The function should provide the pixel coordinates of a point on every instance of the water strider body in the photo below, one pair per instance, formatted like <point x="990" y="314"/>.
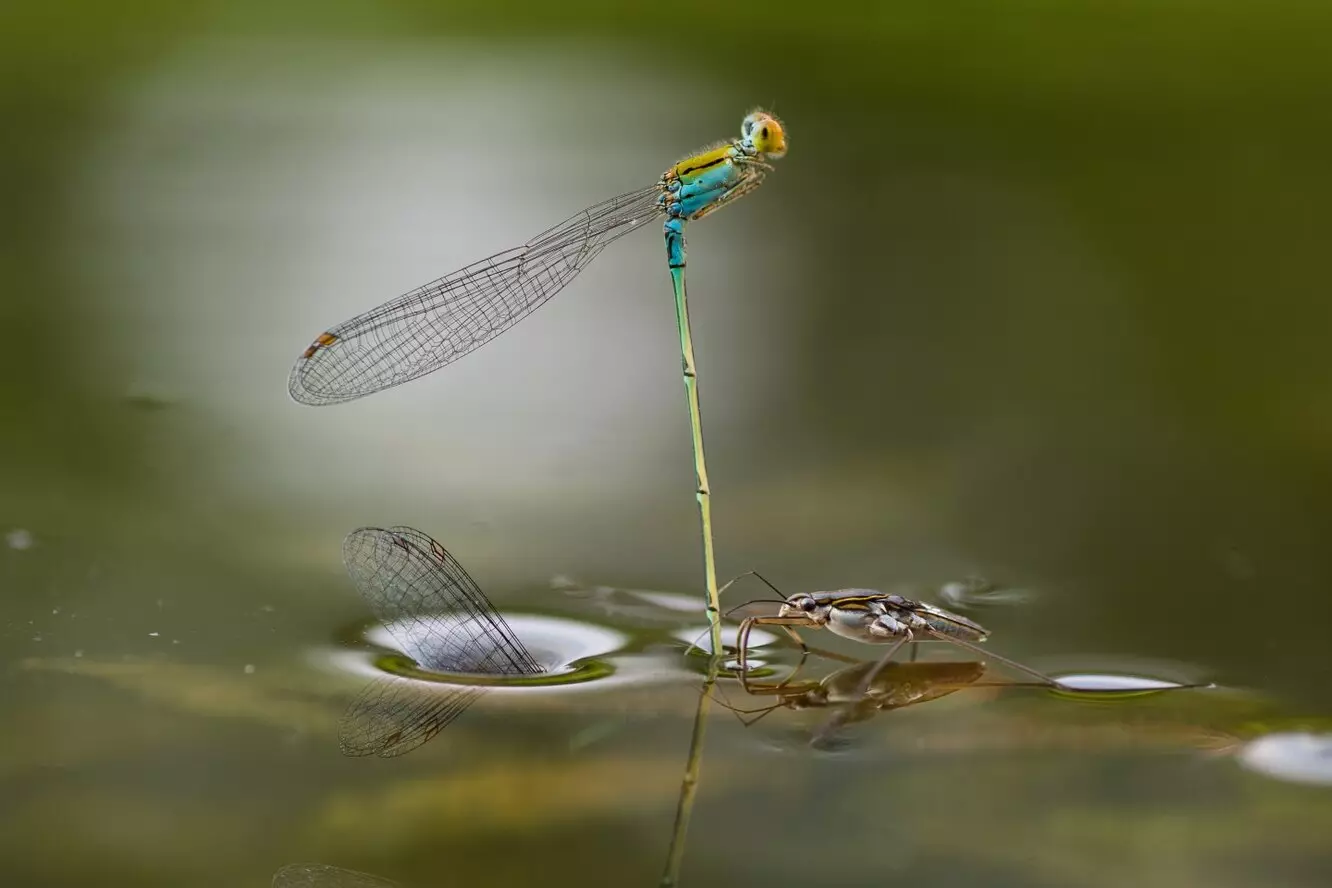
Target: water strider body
<point x="872" y="617"/>
<point x="437" y="323"/>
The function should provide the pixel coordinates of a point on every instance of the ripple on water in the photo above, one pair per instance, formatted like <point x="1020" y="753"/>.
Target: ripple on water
<point x="1102" y="675"/>
<point x="1295" y="756"/>
<point x="1105" y="683"/>
<point x="701" y="637"/>
<point x="980" y="592"/>
<point x="570" y="652"/>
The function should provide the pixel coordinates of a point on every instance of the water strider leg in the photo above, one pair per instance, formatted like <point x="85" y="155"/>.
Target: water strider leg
<point x="993" y="656"/>
<point x="831" y="655"/>
<point x="741" y="713"/>
<point x="831" y="726"/>
<point x="753" y="573"/>
<point x="865" y="683"/>
<point x="742" y="638"/>
<point x="749" y="573"/>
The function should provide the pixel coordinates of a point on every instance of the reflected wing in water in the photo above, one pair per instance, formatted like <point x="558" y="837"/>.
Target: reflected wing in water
<point x="434" y="610"/>
<point x="393" y="716"/>
<point x="440" y="618"/>
<point x="319" y="875"/>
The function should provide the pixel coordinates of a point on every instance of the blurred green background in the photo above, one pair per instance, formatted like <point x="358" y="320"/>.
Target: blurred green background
<point x="1038" y="294"/>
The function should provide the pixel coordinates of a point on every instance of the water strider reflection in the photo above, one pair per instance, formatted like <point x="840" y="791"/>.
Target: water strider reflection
<point x="321" y="875"/>
<point x="895" y="686"/>
<point x="862" y="690"/>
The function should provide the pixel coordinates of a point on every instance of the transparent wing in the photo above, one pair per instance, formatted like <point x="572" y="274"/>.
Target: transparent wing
<point x="430" y="605"/>
<point x="319" y="875"/>
<point x="949" y="623"/>
<point x="393" y="716"/>
<point x="438" y="323"/>
<point x="940" y="620"/>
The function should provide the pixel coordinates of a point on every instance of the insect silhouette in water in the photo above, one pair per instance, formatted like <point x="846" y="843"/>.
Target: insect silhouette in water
<point x="320" y="875"/>
<point x="895" y="686"/>
<point x="440" y="618"/>
<point x="871" y="617"/>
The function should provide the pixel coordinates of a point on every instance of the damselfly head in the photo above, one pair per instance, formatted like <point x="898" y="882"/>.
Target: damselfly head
<point x="802" y="604"/>
<point x="764" y="132"/>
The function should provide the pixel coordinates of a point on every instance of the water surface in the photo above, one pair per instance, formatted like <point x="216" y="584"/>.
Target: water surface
<point x="1036" y="297"/>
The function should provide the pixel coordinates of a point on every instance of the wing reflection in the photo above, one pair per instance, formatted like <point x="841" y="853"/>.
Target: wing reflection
<point x="440" y="617"/>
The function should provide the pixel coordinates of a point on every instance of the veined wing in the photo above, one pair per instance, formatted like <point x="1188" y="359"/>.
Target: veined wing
<point x="435" y="324"/>
<point x="319" y="875"/>
<point x="946" y="622"/>
<point x="431" y="606"/>
<point x="393" y="716"/>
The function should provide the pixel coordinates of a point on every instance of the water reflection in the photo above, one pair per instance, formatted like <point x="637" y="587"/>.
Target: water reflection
<point x="895" y="686"/>
<point x="321" y="875"/>
<point x="441" y="619"/>
<point x="1296" y="756"/>
<point x="981" y="592"/>
<point x="441" y="645"/>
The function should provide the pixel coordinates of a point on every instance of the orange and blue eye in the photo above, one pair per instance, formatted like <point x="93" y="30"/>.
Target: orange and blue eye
<point x="764" y="133"/>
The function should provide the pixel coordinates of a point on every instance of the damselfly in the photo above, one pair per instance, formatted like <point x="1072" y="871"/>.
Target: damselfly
<point x="440" y="618"/>
<point x="320" y="875"/>
<point x="872" y="617"/>
<point x="437" y="323"/>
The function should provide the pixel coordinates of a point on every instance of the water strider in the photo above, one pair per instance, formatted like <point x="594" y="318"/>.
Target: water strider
<point x="441" y="619"/>
<point x="871" y="617"/>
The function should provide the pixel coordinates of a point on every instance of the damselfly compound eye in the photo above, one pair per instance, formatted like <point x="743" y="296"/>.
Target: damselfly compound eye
<point x="765" y="133"/>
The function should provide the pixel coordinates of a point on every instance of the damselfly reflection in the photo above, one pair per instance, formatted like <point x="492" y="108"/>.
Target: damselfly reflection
<point x="440" y="618"/>
<point x="872" y="617"/>
<point x="320" y="875"/>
